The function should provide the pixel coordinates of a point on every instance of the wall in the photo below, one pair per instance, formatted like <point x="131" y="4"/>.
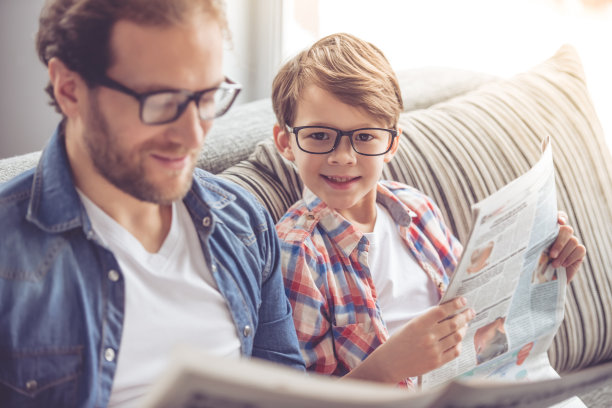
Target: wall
<point x="26" y="119"/>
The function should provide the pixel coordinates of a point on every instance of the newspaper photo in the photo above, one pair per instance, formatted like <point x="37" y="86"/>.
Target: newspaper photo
<point x="505" y="274"/>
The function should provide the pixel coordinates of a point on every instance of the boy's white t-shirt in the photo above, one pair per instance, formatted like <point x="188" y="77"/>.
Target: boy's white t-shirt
<point x="403" y="289"/>
<point x="171" y="299"/>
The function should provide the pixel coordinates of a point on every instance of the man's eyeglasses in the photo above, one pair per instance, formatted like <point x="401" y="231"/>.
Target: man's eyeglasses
<point x="165" y="106"/>
<point x="323" y="139"/>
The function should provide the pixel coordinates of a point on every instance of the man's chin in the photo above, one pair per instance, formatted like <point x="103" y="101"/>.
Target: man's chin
<point x="162" y="193"/>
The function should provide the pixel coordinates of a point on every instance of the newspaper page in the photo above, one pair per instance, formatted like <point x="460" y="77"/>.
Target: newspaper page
<point x="198" y="380"/>
<point x="506" y="277"/>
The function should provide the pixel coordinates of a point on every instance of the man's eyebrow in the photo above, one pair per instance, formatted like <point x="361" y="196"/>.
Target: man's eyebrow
<point x="157" y="87"/>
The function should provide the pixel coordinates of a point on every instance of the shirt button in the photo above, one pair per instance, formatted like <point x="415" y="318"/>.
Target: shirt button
<point x="247" y="330"/>
<point x="206" y="222"/>
<point x="31" y="385"/>
<point x="113" y="275"/>
<point x="109" y="354"/>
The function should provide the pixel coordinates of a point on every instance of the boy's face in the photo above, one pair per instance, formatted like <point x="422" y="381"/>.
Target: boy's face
<point x="343" y="179"/>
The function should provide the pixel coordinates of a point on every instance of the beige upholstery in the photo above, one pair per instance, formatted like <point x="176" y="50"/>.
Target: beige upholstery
<point x="461" y="150"/>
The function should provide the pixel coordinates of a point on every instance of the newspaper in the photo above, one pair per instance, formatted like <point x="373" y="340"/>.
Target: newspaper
<point x="198" y="380"/>
<point x="506" y="276"/>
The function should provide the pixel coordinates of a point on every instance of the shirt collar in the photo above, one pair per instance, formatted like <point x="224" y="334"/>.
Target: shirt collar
<point x="342" y="232"/>
<point x="54" y="203"/>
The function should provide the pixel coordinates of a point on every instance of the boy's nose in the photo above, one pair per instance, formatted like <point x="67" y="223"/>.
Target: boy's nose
<point x="343" y="153"/>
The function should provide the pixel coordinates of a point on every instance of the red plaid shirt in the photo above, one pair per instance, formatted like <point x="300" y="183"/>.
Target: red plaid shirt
<point x="329" y="284"/>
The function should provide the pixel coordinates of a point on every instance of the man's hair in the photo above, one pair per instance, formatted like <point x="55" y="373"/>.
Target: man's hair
<point x="354" y="71"/>
<point x="78" y="31"/>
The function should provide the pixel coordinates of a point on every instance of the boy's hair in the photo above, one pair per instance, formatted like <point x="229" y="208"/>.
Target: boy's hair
<point x="354" y="71"/>
<point x="78" y="31"/>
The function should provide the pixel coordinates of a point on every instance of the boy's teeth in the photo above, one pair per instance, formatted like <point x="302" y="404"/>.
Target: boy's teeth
<point x="339" y="179"/>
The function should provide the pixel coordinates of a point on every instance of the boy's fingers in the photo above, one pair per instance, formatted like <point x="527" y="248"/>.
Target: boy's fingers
<point x="452" y="306"/>
<point x="573" y="262"/>
<point x="453" y="338"/>
<point x="571" y="253"/>
<point x="562" y="217"/>
<point x="565" y="233"/>
<point x="456" y="323"/>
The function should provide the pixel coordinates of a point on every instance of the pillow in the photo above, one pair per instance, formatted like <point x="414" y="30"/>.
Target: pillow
<point x="461" y="150"/>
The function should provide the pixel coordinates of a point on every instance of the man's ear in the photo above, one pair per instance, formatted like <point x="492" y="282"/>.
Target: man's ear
<point x="389" y="155"/>
<point x="66" y="85"/>
<point x="282" y="141"/>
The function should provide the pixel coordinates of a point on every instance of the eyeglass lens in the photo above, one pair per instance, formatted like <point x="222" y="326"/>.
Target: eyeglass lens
<point x="167" y="106"/>
<point x="364" y="141"/>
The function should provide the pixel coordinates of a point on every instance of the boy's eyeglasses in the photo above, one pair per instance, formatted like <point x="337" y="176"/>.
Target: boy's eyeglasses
<point x="167" y="105"/>
<point x="323" y="139"/>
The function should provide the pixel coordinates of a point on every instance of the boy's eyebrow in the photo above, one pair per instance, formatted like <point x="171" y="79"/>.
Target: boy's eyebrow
<point x="365" y="125"/>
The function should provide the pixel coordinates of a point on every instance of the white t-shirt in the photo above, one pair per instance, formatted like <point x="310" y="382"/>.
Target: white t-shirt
<point x="171" y="299"/>
<point x="403" y="288"/>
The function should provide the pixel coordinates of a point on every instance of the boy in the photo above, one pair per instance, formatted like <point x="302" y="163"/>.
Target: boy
<point x="365" y="261"/>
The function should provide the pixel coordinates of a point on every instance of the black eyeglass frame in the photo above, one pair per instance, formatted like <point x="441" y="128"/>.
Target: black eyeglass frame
<point x="110" y="83"/>
<point x="339" y="134"/>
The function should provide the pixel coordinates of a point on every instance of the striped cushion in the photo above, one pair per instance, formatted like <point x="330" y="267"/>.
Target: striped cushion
<point x="460" y="151"/>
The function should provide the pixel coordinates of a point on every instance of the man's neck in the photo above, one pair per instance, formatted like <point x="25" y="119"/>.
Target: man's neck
<point x="148" y="222"/>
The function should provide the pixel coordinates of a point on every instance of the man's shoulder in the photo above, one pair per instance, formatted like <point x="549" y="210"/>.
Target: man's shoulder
<point x="217" y="185"/>
<point x="15" y="192"/>
<point x="218" y="193"/>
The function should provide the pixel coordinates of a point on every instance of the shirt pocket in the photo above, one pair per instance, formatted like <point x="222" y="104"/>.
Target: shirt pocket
<point x="40" y="377"/>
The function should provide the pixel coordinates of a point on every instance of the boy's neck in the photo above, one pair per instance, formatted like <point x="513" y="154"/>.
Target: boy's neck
<point x="364" y="219"/>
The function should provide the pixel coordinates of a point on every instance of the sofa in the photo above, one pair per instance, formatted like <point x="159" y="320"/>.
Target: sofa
<point x="465" y="135"/>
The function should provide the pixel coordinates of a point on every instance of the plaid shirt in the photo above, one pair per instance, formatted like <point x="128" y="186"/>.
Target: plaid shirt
<point x="329" y="284"/>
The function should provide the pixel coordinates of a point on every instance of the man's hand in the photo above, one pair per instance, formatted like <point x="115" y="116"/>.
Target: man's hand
<point x="567" y="251"/>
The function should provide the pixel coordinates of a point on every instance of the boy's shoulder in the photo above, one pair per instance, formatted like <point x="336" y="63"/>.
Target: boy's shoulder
<point x="412" y="197"/>
<point x="296" y="224"/>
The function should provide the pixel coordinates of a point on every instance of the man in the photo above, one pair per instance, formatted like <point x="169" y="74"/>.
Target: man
<point x="114" y="250"/>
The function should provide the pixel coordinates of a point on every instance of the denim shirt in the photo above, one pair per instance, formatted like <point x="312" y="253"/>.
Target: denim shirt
<point x="62" y="293"/>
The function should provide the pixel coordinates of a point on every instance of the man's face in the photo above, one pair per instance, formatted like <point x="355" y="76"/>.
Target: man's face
<point x="153" y="162"/>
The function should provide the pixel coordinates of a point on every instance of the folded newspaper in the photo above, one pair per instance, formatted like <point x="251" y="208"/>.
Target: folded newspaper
<point x="506" y="277"/>
<point x="198" y="380"/>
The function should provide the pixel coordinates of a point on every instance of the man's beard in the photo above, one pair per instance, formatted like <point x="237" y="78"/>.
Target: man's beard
<point x="124" y="170"/>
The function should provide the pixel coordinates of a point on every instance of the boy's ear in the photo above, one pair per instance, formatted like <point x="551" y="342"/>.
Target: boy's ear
<point x="282" y="141"/>
<point x="389" y="155"/>
<point x="65" y="83"/>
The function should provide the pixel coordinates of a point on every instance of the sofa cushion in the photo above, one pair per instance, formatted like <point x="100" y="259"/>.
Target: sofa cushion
<point x="461" y="150"/>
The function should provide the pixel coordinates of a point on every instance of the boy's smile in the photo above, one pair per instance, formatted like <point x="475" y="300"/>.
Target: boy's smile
<point x="345" y="180"/>
<point x="340" y="182"/>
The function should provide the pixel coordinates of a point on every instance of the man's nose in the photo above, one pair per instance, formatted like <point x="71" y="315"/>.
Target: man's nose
<point x="190" y="128"/>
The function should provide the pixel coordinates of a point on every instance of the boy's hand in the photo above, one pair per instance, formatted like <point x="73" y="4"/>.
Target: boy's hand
<point x="428" y="341"/>
<point x="566" y="251"/>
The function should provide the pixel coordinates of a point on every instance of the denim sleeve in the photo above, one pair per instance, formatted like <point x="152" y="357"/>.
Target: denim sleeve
<point x="275" y="337"/>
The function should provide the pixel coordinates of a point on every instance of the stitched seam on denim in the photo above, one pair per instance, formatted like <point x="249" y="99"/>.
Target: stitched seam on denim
<point x="11" y="199"/>
<point x="71" y="351"/>
<point x="42" y="268"/>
